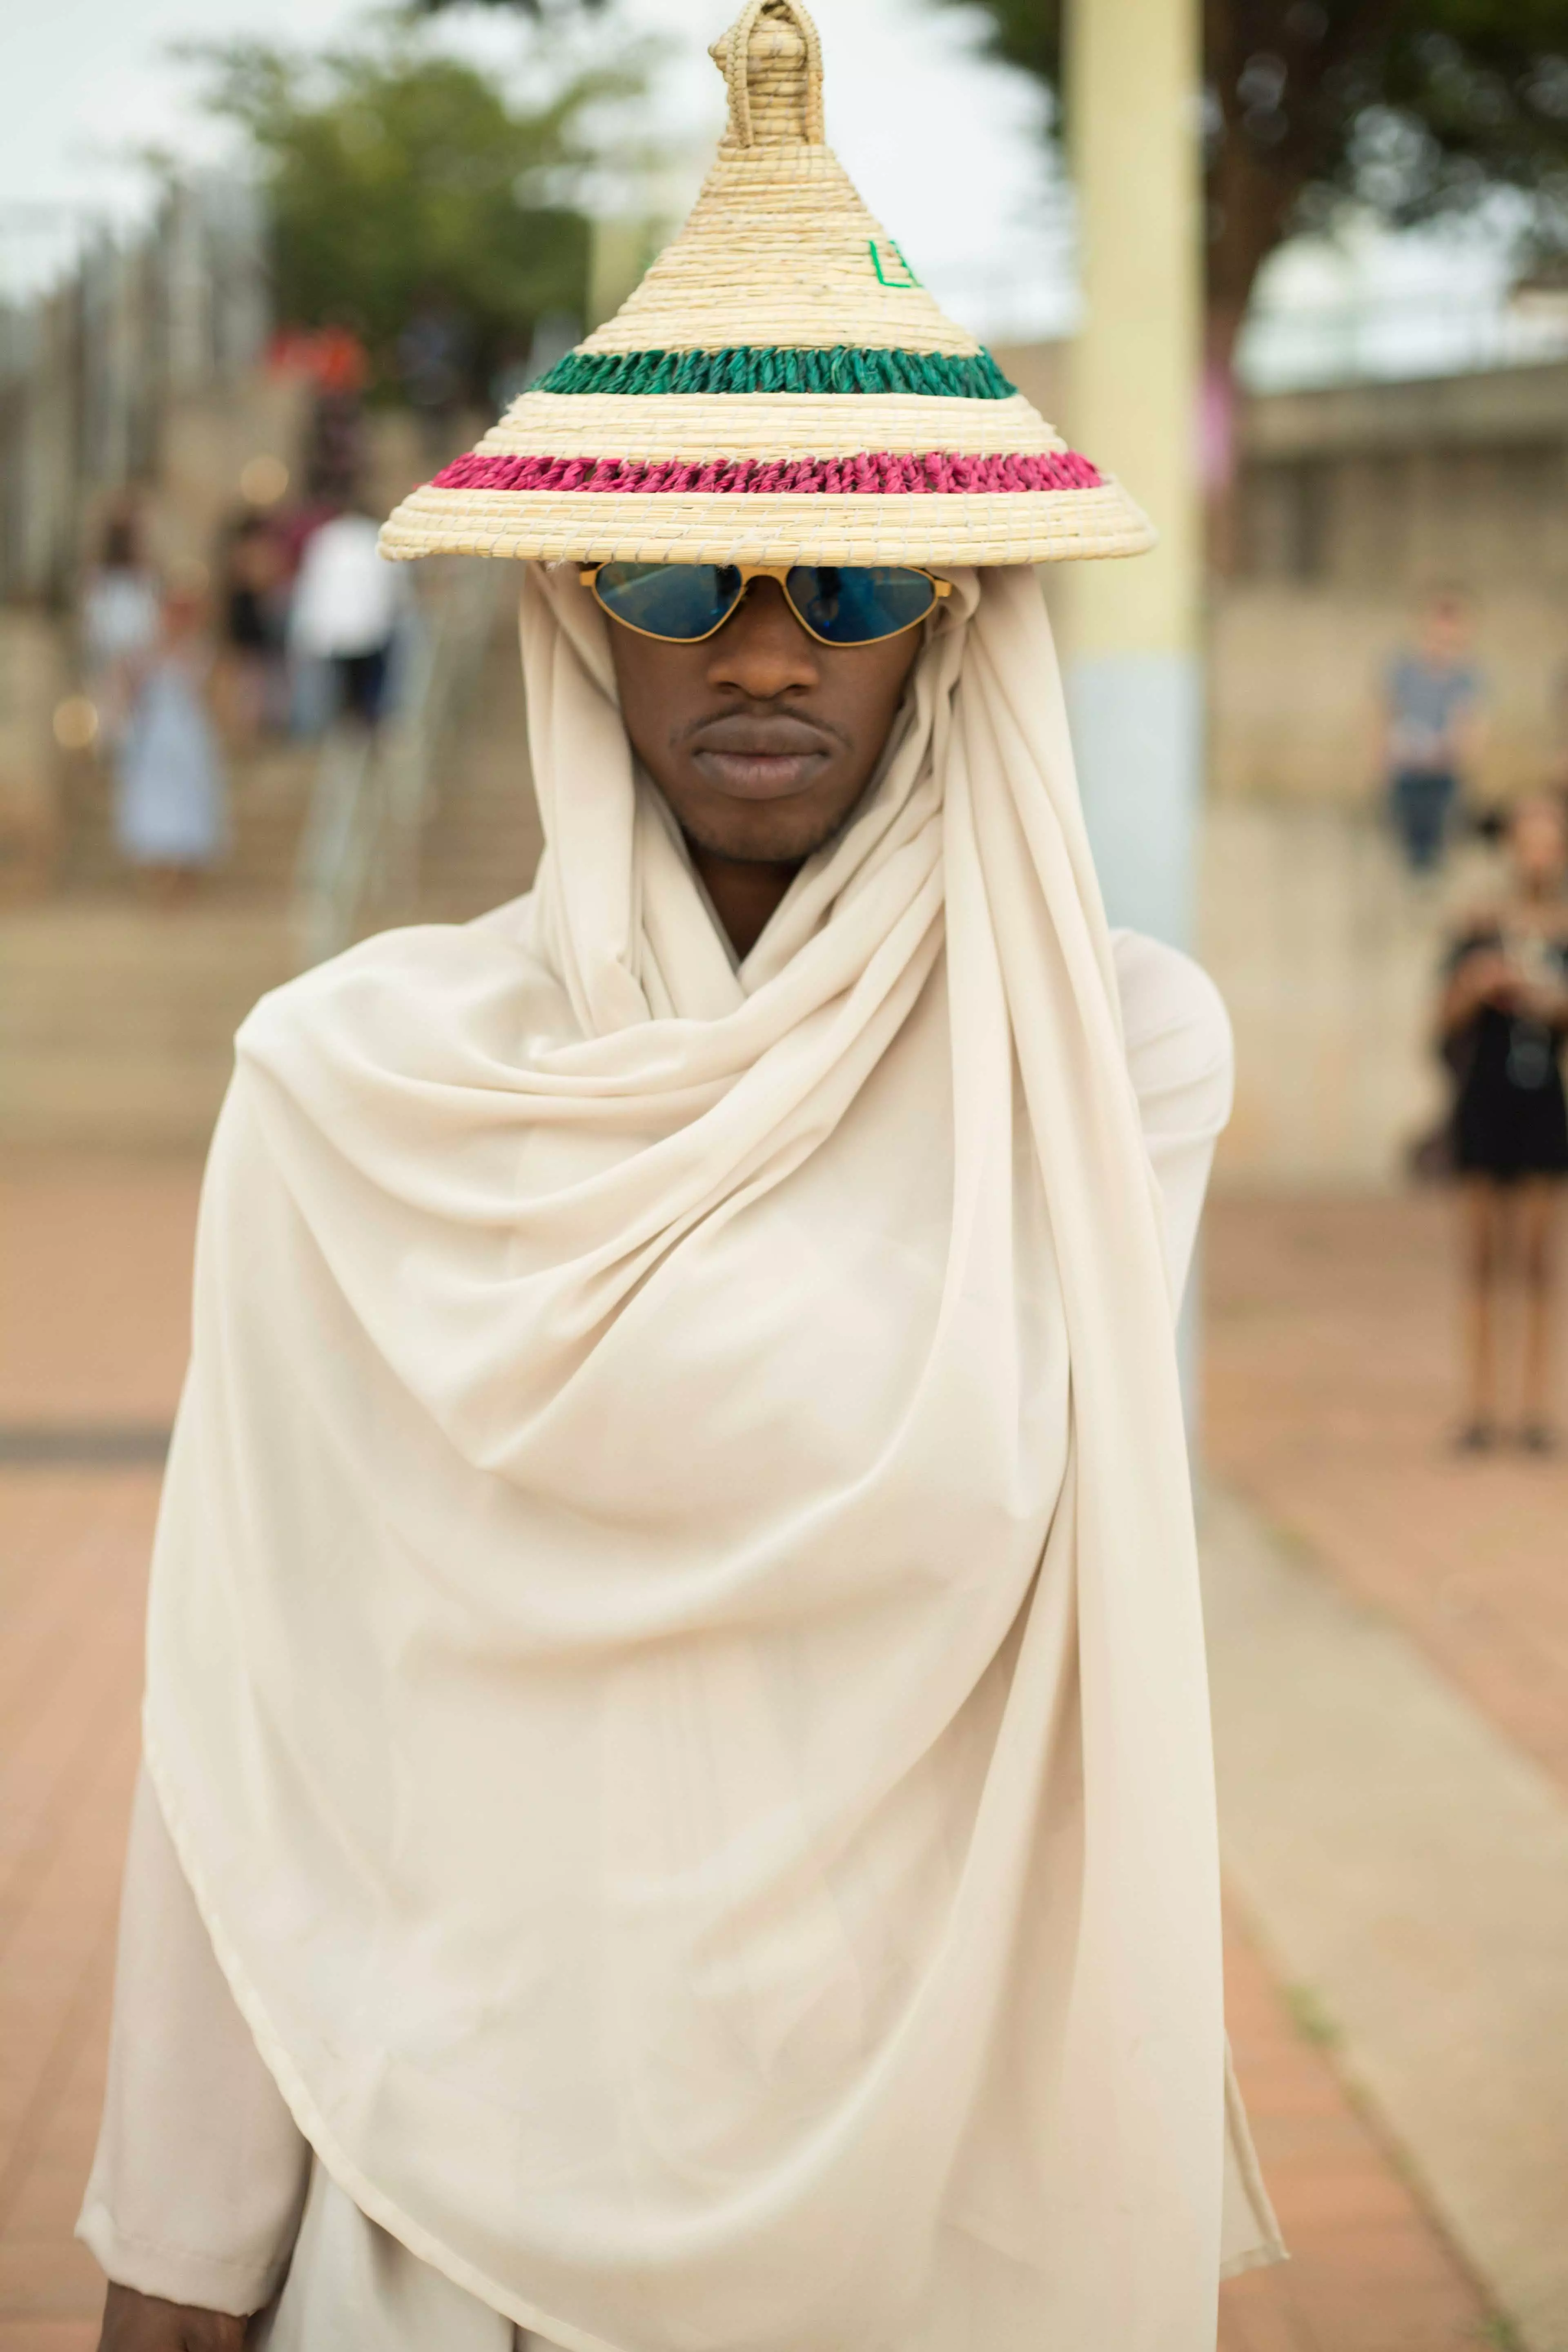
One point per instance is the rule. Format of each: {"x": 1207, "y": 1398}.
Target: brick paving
{"x": 72, "y": 1555}
{"x": 95, "y": 1286}
{"x": 1369, "y": 2269}
{"x": 1332, "y": 1392}
{"x": 93, "y": 1303}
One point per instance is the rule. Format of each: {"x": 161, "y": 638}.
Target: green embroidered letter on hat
{"x": 890, "y": 265}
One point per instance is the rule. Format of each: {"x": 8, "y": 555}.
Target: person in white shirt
{"x": 347, "y": 608}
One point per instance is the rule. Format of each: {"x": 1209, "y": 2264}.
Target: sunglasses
{"x": 681, "y": 604}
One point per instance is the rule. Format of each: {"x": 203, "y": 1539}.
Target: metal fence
{"x": 90, "y": 362}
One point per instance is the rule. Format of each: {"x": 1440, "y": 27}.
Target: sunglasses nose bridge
{"x": 748, "y": 575}
{"x": 740, "y": 576}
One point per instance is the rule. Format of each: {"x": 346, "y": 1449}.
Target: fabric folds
{"x": 675, "y": 1672}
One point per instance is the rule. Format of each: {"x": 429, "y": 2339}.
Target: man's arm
{"x": 145, "y": 2323}
{"x": 201, "y": 2171}
{"x": 1181, "y": 1061}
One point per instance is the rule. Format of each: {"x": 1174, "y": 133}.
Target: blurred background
{"x": 263, "y": 268}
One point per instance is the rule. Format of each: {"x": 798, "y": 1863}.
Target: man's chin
{"x": 765, "y": 833}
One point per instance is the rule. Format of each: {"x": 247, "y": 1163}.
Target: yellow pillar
{"x": 1133, "y": 79}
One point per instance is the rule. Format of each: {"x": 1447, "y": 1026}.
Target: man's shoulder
{"x": 1178, "y": 1033}
{"x": 1164, "y": 990}
{"x": 403, "y": 997}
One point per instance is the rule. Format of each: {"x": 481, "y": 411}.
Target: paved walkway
{"x": 1408, "y": 1868}
{"x": 1331, "y": 1391}
{"x": 1391, "y": 1697}
{"x": 93, "y": 1297}
{"x": 70, "y": 1601}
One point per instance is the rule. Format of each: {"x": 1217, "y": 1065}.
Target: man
{"x": 348, "y": 604}
{"x": 1431, "y": 729}
{"x": 678, "y": 1809}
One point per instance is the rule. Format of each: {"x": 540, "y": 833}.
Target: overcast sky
{"x": 945, "y": 148}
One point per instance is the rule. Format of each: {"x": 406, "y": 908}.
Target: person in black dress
{"x": 1504, "y": 1018}
{"x": 255, "y": 612}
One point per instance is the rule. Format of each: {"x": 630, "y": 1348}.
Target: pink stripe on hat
{"x": 874, "y": 473}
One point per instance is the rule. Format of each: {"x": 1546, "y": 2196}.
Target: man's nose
{"x": 763, "y": 652}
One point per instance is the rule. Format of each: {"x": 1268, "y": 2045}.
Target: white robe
{"x": 675, "y": 1673}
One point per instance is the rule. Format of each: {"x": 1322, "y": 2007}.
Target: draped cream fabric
{"x": 674, "y": 1661}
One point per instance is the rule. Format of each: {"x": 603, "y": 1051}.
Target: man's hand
{"x": 1493, "y": 980}
{"x": 145, "y": 2323}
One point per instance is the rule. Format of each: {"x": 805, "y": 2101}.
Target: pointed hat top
{"x": 772, "y": 63}
{"x": 780, "y": 387}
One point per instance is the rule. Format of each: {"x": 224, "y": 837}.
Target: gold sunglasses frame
{"x": 588, "y": 574}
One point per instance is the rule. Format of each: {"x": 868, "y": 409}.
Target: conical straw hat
{"x": 779, "y": 388}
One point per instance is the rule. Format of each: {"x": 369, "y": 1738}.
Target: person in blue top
{"x": 1431, "y": 728}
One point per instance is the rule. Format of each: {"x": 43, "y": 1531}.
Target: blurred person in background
{"x": 170, "y": 799}
{"x": 348, "y": 604}
{"x": 120, "y": 618}
{"x": 334, "y": 362}
{"x": 434, "y": 356}
{"x": 1431, "y": 729}
{"x": 255, "y": 617}
{"x": 1503, "y": 1020}
{"x": 1559, "y": 727}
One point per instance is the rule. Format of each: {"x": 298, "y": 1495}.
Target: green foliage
{"x": 1412, "y": 107}
{"x": 399, "y": 178}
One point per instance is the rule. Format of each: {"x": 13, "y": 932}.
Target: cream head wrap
{"x": 675, "y": 1667}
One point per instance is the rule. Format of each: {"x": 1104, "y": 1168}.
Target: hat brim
{"x": 770, "y": 527}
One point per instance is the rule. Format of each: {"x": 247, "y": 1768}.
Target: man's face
{"x": 760, "y": 740}
{"x": 1445, "y": 630}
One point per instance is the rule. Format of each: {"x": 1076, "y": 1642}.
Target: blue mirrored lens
{"x": 682, "y": 601}
{"x": 854, "y": 605}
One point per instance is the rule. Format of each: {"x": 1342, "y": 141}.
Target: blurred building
{"x": 1355, "y": 500}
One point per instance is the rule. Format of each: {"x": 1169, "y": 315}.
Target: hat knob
{"x": 772, "y": 62}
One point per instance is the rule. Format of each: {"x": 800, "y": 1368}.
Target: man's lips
{"x": 760, "y": 775}
{"x": 760, "y": 758}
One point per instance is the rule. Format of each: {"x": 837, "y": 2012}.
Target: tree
{"x": 401, "y": 183}
{"x": 1411, "y": 108}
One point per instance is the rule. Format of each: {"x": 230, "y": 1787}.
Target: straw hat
{"x": 779, "y": 388}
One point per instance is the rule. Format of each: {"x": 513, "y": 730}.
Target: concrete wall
{"x": 1329, "y": 957}
{"x": 1294, "y": 671}
{"x": 1352, "y": 503}
{"x": 1355, "y": 501}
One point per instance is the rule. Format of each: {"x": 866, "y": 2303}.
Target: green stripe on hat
{"x": 776, "y": 368}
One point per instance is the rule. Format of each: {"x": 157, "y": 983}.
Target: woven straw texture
{"x": 780, "y": 276}
{"x": 774, "y": 423}
{"x": 588, "y": 528}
